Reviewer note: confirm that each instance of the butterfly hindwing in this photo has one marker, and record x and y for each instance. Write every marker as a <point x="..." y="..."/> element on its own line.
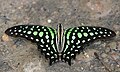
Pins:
<point x="44" y="37"/>
<point x="76" y="37"/>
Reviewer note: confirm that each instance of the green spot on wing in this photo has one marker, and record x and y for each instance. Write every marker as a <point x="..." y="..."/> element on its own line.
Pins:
<point x="41" y="34"/>
<point x="66" y="48"/>
<point x="35" y="33"/>
<point x="68" y="42"/>
<point x="71" y="29"/>
<point x="101" y="32"/>
<point x="91" y="34"/>
<point x="37" y="27"/>
<point x="31" y="29"/>
<point x="29" y="32"/>
<point x="96" y="33"/>
<point x="85" y="34"/>
<point x="19" y="30"/>
<point x="68" y="34"/>
<point x="24" y="31"/>
<point x="75" y="30"/>
<point x="79" y="35"/>
<point x="51" y="32"/>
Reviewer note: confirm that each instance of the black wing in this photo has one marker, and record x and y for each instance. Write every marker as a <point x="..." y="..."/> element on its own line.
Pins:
<point x="77" y="37"/>
<point x="44" y="37"/>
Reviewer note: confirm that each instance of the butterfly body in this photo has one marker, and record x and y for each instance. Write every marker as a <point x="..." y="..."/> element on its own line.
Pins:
<point x="59" y="45"/>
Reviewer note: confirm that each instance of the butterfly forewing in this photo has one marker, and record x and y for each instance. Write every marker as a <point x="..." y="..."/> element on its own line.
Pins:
<point x="44" y="37"/>
<point x="30" y="32"/>
<point x="76" y="37"/>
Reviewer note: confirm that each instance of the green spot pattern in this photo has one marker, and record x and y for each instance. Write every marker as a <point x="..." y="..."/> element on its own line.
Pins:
<point x="29" y="32"/>
<point x="91" y="34"/>
<point x="41" y="34"/>
<point x="85" y="34"/>
<point x="35" y="33"/>
<point x="51" y="32"/>
<point x="79" y="35"/>
<point x="69" y="32"/>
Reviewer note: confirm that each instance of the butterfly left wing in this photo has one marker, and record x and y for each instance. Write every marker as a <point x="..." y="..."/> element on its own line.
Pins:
<point x="44" y="37"/>
<point x="75" y="38"/>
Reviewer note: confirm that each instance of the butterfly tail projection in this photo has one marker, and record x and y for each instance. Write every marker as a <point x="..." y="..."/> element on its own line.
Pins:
<point x="49" y="53"/>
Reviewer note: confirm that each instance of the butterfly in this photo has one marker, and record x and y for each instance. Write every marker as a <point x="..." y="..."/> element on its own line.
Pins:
<point x="57" y="44"/>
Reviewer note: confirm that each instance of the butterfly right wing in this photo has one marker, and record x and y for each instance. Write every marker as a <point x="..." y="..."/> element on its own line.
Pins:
<point x="44" y="37"/>
<point x="76" y="37"/>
